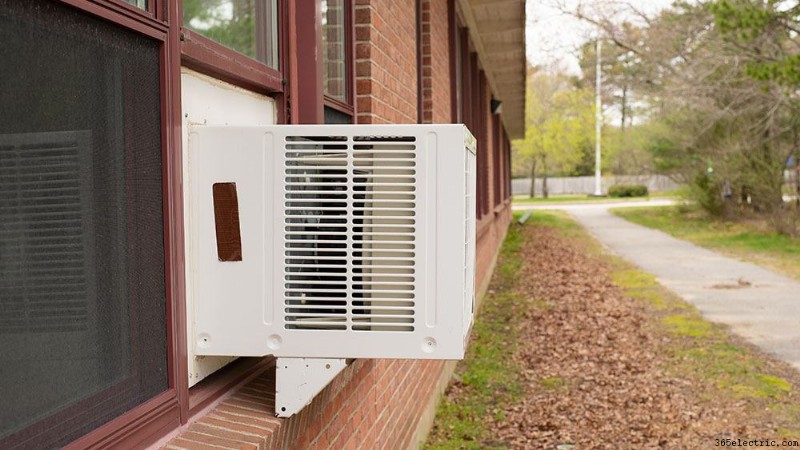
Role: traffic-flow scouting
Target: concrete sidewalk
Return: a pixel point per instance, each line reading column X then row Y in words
column 766, row 312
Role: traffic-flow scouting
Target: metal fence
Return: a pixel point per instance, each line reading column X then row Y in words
column 585, row 185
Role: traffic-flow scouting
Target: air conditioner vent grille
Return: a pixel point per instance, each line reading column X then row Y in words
column 349, row 233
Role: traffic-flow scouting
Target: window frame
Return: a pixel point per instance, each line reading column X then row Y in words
column 499, row 170
column 209, row 57
column 348, row 106
column 454, row 49
column 151, row 22
column 507, row 151
column 150, row 420
column 464, row 80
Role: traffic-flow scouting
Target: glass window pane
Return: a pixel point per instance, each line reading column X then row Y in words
column 82, row 290
column 138, row 3
column 248, row 26
column 334, row 45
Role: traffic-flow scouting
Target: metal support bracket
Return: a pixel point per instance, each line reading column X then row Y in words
column 298, row 380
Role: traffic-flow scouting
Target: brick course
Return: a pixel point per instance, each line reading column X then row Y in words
column 386, row 61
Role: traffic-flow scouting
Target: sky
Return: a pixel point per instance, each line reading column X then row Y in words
column 554, row 37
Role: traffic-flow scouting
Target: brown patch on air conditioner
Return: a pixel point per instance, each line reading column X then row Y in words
column 226, row 221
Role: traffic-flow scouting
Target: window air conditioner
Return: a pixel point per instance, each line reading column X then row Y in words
column 317, row 243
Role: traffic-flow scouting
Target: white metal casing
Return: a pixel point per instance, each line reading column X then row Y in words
column 358, row 241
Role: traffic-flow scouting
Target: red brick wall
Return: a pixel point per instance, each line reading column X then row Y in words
column 386, row 61
column 436, row 106
column 491, row 232
column 373, row 404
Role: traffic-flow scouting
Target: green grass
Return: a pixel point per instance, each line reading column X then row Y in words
column 748, row 241
column 679, row 192
column 553, row 383
column 554, row 219
column 688, row 325
column 485, row 379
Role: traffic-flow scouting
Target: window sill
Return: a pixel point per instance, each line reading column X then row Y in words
column 225, row 380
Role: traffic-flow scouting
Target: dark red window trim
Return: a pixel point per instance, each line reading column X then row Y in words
column 483, row 114
column 221, row 381
column 339, row 106
column 123, row 14
column 216, row 60
column 453, row 38
column 507, row 164
column 151, row 9
column 139, row 427
column 501, row 149
column 304, row 68
column 473, row 94
column 179, row 377
column 498, row 171
column 466, row 81
column 507, row 150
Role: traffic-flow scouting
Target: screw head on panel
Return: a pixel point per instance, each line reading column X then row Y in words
column 274, row 342
column 429, row 345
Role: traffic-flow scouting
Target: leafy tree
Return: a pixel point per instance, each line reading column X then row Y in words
column 766, row 31
column 559, row 124
column 229, row 22
column 717, row 84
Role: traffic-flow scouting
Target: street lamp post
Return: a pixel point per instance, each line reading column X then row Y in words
column 598, row 188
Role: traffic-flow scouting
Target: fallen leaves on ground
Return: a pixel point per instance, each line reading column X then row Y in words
column 595, row 374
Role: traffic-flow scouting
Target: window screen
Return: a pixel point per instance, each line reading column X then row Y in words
column 82, row 291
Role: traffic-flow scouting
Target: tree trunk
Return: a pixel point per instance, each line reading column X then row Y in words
column 624, row 108
column 796, row 171
column 533, row 177
column 545, row 192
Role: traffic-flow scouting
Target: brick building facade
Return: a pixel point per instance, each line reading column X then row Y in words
column 120, row 85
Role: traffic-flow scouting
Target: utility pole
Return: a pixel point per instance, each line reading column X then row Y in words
column 598, row 188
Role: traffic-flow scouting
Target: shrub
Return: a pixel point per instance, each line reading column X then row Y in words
column 628, row 190
column 706, row 192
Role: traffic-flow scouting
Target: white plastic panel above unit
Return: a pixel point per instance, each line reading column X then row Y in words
column 208, row 101
column 357, row 241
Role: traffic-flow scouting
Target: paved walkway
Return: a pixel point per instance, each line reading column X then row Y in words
column 766, row 312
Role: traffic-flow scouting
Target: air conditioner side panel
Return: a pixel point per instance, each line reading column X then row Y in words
column 449, row 236
column 229, row 295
